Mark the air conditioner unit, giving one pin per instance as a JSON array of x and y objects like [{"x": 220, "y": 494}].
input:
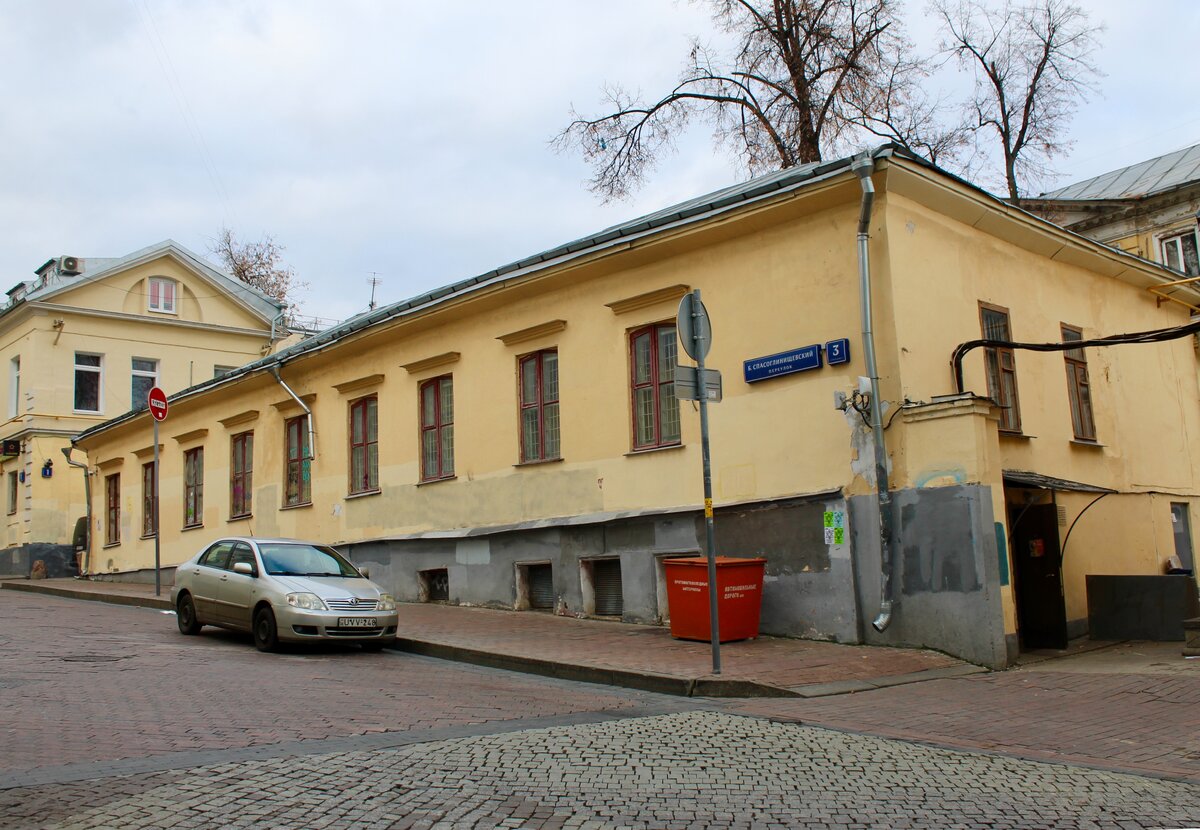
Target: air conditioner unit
[{"x": 69, "y": 265}]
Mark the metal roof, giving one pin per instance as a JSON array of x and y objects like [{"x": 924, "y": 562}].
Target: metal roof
[{"x": 1138, "y": 180}]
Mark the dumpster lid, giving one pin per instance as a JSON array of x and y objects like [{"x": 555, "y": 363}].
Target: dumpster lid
[{"x": 696, "y": 561}]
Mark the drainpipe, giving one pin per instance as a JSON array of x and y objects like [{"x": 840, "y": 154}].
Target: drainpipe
[
  {"x": 863, "y": 166},
  {"x": 312, "y": 435},
  {"x": 87, "y": 495},
  {"x": 277, "y": 319}
]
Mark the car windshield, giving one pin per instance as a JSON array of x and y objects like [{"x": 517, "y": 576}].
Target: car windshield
[{"x": 292, "y": 559}]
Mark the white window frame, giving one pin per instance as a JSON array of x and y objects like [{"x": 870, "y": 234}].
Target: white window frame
[
  {"x": 141, "y": 373},
  {"x": 162, "y": 307},
  {"x": 14, "y": 386},
  {"x": 1177, "y": 238},
  {"x": 99, "y": 370}
]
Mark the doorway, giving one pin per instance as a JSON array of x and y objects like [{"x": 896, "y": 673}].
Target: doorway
[{"x": 1037, "y": 568}]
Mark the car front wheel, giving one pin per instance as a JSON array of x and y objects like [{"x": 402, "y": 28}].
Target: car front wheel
[
  {"x": 266, "y": 637},
  {"x": 185, "y": 615}
]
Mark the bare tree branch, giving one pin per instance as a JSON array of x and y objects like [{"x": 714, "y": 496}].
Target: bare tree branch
[{"x": 259, "y": 264}]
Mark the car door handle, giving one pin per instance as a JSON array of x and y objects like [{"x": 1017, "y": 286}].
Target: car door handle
[{"x": 224, "y": 577}]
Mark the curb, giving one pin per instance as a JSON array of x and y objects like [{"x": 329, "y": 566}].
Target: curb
[{"x": 114, "y": 599}]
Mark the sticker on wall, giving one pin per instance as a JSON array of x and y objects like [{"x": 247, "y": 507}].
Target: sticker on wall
[{"x": 835, "y": 527}]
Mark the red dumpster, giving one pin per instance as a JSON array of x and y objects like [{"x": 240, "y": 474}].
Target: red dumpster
[{"x": 739, "y": 600}]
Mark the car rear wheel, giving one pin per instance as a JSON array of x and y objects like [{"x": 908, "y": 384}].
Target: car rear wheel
[
  {"x": 185, "y": 615},
  {"x": 266, "y": 637}
]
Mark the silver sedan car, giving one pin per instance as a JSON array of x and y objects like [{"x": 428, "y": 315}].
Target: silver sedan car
[{"x": 282, "y": 590}]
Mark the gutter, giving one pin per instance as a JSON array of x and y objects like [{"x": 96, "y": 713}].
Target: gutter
[
  {"x": 863, "y": 166},
  {"x": 312, "y": 435}
]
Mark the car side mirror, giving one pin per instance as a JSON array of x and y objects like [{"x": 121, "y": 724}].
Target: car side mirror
[
  {"x": 244, "y": 568},
  {"x": 366, "y": 572}
]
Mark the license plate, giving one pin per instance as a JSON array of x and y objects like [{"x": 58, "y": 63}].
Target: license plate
[{"x": 357, "y": 622}]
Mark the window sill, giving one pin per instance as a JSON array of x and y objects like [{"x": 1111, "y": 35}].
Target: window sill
[
  {"x": 172, "y": 312},
  {"x": 296, "y": 506},
  {"x": 111, "y": 545},
  {"x": 538, "y": 461},
  {"x": 423, "y": 482},
  {"x": 364, "y": 494},
  {"x": 186, "y": 528},
  {"x": 240, "y": 518},
  {"x": 1017, "y": 436},
  {"x": 148, "y": 536},
  {"x": 1080, "y": 442},
  {"x": 651, "y": 450},
  {"x": 86, "y": 412}
]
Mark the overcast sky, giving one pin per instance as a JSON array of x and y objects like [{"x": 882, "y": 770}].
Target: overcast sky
[{"x": 401, "y": 139}]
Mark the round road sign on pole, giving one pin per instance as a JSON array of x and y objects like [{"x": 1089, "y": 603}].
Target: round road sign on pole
[
  {"x": 695, "y": 332},
  {"x": 157, "y": 400}
]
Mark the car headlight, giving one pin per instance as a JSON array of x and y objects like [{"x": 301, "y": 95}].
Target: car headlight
[
  {"x": 387, "y": 602},
  {"x": 309, "y": 602}
]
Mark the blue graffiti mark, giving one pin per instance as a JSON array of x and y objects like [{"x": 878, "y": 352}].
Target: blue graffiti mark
[{"x": 956, "y": 475}]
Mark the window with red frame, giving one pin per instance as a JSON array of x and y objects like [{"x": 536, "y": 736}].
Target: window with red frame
[
  {"x": 364, "y": 445},
  {"x": 539, "y": 406},
  {"x": 112, "y": 502},
  {"x": 437, "y": 428},
  {"x": 298, "y": 487},
  {"x": 652, "y": 378},
  {"x": 241, "y": 479}
]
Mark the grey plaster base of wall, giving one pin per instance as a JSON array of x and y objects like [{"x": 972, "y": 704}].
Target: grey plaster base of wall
[
  {"x": 18, "y": 561},
  {"x": 946, "y": 573},
  {"x": 144, "y": 576},
  {"x": 808, "y": 591}
]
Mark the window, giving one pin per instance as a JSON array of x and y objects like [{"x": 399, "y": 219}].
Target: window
[
  {"x": 1180, "y": 253},
  {"x": 437, "y": 428},
  {"x": 13, "y": 481},
  {"x": 149, "y": 500},
  {"x": 1001, "y": 367},
  {"x": 539, "y": 406},
  {"x": 87, "y": 382},
  {"x": 193, "y": 487},
  {"x": 14, "y": 387},
  {"x": 112, "y": 502},
  {"x": 145, "y": 378},
  {"x": 218, "y": 555},
  {"x": 241, "y": 480},
  {"x": 364, "y": 445},
  {"x": 1078, "y": 389},
  {"x": 218, "y": 371},
  {"x": 161, "y": 292},
  {"x": 655, "y": 410},
  {"x": 298, "y": 489}
]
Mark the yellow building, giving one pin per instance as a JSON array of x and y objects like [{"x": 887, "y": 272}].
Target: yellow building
[
  {"x": 83, "y": 342},
  {"x": 514, "y": 439}
]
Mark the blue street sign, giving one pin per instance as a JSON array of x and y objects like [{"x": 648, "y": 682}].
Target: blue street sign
[
  {"x": 784, "y": 363},
  {"x": 837, "y": 351}
]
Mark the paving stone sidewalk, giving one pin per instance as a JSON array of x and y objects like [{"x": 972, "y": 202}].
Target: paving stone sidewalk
[{"x": 637, "y": 656}]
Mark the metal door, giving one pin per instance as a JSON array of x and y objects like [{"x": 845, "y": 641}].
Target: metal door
[
  {"x": 541, "y": 586},
  {"x": 237, "y": 592},
  {"x": 606, "y": 581},
  {"x": 1037, "y": 562}
]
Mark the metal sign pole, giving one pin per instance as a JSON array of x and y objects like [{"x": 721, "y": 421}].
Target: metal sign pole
[
  {"x": 698, "y": 335},
  {"x": 157, "y": 576}
]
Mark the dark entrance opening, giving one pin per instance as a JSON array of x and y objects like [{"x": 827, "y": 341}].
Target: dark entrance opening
[
  {"x": 434, "y": 585},
  {"x": 606, "y": 580},
  {"x": 541, "y": 587},
  {"x": 1037, "y": 568}
]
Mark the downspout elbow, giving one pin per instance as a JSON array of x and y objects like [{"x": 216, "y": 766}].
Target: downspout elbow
[
  {"x": 312, "y": 434},
  {"x": 863, "y": 166},
  {"x": 87, "y": 495}
]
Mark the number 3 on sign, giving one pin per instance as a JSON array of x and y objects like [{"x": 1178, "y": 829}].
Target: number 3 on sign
[{"x": 837, "y": 351}]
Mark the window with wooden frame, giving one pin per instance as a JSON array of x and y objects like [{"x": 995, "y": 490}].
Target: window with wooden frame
[
  {"x": 193, "y": 487},
  {"x": 112, "y": 509},
  {"x": 652, "y": 354},
  {"x": 1001, "y": 367},
  {"x": 13, "y": 483},
  {"x": 149, "y": 500},
  {"x": 539, "y": 406},
  {"x": 241, "y": 477},
  {"x": 1079, "y": 390},
  {"x": 298, "y": 483},
  {"x": 364, "y": 445},
  {"x": 437, "y": 428}
]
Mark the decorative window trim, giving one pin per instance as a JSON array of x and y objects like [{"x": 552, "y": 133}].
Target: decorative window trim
[
  {"x": 239, "y": 419},
  {"x": 191, "y": 435},
  {"x": 437, "y": 361},
  {"x": 532, "y": 333},
  {"x": 358, "y": 384},
  {"x": 659, "y": 295}
]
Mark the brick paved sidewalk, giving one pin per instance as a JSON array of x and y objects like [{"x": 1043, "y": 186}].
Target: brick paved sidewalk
[{"x": 637, "y": 656}]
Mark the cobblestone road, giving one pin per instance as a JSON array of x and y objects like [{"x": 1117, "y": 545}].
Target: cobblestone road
[{"x": 695, "y": 769}]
